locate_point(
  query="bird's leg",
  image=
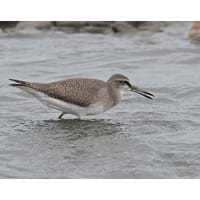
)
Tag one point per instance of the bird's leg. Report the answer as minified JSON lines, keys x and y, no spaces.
{"x":60,"y":116}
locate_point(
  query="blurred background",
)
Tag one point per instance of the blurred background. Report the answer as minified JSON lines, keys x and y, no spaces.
{"x":136,"y":139}
{"x":94,"y":26}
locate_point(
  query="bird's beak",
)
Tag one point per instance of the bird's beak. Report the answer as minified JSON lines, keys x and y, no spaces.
{"x":142,"y":92}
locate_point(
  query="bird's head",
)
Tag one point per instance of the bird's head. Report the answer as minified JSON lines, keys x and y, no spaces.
{"x":121,"y":83}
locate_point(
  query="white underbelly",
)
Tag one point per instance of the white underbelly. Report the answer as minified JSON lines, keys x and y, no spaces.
{"x":69,"y":108}
{"x":65,"y":107}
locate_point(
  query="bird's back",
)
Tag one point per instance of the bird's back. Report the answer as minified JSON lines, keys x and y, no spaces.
{"x":80,"y":91}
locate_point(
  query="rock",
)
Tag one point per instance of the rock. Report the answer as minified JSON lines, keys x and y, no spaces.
{"x":8,"y":24}
{"x":95,"y":29}
{"x":122,"y":27}
{"x":196,"y":25}
{"x":84,"y":26}
{"x":90,"y":26}
{"x":152,"y":26}
{"x":34,"y":25}
{"x":74,"y":24}
{"x":194,"y":34}
{"x":133,"y":23}
{"x":100,"y":23}
{"x":80,"y":24}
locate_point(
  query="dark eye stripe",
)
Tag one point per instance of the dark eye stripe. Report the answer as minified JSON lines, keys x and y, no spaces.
{"x":126,"y":83}
{"x":129,"y":85}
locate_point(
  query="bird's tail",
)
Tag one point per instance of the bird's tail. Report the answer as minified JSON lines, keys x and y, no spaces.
{"x":31,"y":88}
{"x":28,"y":86}
{"x":18,"y":83}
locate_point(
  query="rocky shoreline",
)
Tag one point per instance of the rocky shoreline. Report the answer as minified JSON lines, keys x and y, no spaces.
{"x":102,"y":27}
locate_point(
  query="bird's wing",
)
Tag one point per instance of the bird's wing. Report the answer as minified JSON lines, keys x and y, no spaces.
{"x":82,"y":92}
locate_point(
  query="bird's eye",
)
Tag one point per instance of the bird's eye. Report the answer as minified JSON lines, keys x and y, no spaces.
{"x":127,"y":83}
{"x":123,"y":82}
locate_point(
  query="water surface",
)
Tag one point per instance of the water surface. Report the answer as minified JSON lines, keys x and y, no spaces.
{"x":139,"y":138}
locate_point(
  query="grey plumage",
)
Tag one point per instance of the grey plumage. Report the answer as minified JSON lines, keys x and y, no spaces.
{"x":79,"y":91}
{"x":85,"y":92}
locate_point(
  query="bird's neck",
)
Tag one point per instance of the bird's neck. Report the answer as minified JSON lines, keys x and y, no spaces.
{"x":117,"y":94}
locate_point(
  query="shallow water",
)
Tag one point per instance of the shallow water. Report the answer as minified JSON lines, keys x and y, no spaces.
{"x":139,"y":138}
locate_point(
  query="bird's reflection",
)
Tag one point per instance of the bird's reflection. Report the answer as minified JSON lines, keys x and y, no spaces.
{"x":74,"y":129}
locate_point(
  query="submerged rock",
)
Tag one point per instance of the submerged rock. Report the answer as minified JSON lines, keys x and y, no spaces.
{"x":194,"y":36}
{"x":66,"y":29}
